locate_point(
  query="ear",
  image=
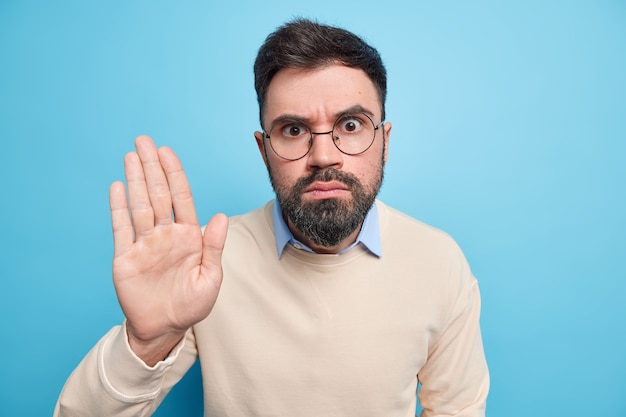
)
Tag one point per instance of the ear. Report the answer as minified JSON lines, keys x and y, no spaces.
{"x":386,"y":133}
{"x":260,"y":143}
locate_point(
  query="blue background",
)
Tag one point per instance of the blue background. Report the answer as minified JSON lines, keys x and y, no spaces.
{"x":509,"y":133}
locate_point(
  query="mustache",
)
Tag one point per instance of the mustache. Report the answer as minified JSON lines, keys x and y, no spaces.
{"x":326,"y":175}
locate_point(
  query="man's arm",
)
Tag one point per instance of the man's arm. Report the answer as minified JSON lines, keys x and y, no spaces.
{"x":167,"y":275}
{"x":112,"y":381}
{"x":455,"y":378}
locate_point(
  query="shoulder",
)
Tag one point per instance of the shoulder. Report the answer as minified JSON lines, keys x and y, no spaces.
{"x":416,"y":245}
{"x":252,"y":229}
{"x":427,"y":255}
{"x":398,"y":226}
{"x":261,"y":216}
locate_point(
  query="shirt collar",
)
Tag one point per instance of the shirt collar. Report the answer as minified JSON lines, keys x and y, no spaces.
{"x":368,"y":236}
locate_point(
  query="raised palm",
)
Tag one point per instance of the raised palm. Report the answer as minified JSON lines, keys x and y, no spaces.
{"x":167,"y":274}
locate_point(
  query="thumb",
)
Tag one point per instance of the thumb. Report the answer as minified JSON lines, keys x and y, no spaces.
{"x":213,"y":242}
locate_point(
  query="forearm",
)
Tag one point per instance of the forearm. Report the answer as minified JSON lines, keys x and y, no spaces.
{"x":112,"y":380}
{"x":455,"y":381}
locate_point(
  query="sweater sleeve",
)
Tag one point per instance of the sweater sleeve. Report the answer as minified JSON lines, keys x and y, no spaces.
{"x":455,"y":378}
{"x":112,"y":381}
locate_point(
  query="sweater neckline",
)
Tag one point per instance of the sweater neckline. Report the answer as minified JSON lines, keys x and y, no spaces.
{"x":326,"y":260}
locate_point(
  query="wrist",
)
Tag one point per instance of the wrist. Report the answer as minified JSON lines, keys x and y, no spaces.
{"x":154,"y":350}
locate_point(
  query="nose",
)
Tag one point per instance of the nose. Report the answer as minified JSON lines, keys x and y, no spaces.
{"x":323,"y":152}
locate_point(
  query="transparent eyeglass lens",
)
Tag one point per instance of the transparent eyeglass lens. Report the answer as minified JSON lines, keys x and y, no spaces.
{"x":352,"y":134}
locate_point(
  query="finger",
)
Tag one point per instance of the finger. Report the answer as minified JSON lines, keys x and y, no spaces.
{"x":123,"y":235}
{"x":140,"y":207}
{"x":180,"y":191}
{"x":213,"y":242}
{"x":156,"y":182}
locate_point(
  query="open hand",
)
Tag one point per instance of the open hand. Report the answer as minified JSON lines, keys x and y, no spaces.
{"x":167,"y":274}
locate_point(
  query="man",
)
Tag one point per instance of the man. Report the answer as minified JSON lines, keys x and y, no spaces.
{"x":331,"y":304}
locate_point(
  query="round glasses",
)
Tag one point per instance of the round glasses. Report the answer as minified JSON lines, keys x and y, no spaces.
{"x":352,"y":134}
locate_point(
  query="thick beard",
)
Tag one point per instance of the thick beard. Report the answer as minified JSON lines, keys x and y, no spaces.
{"x":329,"y":221}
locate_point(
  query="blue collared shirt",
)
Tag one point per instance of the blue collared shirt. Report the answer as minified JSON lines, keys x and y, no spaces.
{"x":368,"y":236}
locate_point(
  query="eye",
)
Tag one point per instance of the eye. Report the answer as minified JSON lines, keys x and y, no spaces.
{"x":293,"y":130}
{"x":349,"y":124}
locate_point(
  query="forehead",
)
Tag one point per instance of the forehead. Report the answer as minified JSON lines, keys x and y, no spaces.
{"x":320,"y":93}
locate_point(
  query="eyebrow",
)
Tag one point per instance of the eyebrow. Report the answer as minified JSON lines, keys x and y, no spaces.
{"x":357,"y":108}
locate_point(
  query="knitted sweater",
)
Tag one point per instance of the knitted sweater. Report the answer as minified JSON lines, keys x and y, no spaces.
{"x":314,"y":335}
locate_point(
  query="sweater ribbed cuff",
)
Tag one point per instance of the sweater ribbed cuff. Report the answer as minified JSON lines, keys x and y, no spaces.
{"x":124,"y":375}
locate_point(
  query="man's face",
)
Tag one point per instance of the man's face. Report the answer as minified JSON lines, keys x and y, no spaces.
{"x":326,"y":194}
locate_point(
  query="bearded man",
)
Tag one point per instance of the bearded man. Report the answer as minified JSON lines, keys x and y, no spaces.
{"x":330,"y":303}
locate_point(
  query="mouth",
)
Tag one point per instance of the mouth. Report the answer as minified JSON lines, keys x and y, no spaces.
{"x":322,"y":190}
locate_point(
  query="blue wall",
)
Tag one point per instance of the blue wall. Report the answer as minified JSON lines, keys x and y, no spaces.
{"x":509,"y":133}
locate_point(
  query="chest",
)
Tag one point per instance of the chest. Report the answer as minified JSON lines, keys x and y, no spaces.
{"x":332,"y":343}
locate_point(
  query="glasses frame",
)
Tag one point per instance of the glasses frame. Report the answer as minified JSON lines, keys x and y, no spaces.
{"x":311,"y":133}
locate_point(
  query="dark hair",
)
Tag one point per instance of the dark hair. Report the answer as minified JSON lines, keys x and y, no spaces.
{"x":305,"y":44}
